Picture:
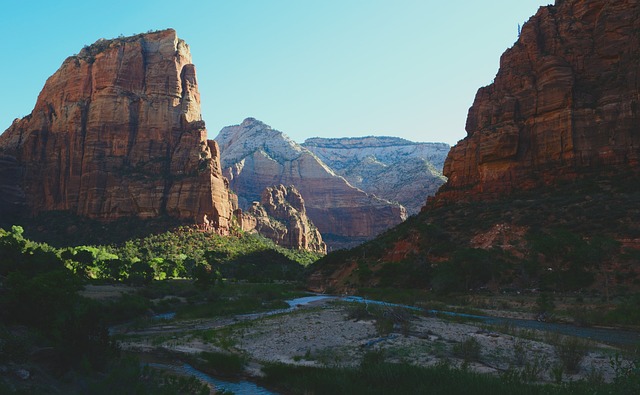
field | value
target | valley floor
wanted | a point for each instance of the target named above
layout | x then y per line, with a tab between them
330	333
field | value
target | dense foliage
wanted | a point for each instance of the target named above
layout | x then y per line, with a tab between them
44	320
375	376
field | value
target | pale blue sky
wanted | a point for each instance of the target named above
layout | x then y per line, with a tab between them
328	68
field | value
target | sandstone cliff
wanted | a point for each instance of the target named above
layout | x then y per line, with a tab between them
564	102
255	156
391	168
117	132
544	192
281	216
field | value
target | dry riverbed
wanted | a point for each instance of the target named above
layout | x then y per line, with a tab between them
329	333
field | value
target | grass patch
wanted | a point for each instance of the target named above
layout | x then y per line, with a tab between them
379	377
225	364
233	299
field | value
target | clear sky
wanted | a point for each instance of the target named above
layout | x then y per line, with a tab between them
329	68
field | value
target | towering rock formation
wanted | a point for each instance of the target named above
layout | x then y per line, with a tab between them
391	168
281	216
117	132
255	156
551	159
566	101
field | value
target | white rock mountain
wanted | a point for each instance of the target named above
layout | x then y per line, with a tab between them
254	156
391	168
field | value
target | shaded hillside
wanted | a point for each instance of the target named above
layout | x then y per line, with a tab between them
577	235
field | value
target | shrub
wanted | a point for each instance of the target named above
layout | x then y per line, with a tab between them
571	351
469	350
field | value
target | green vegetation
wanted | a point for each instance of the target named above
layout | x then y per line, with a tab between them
225	364
469	350
564	239
570	351
47	325
375	376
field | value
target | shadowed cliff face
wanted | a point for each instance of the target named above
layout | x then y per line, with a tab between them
117	132
564	102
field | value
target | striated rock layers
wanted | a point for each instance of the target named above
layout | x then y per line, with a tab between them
391	168
255	156
281	216
116	132
566	101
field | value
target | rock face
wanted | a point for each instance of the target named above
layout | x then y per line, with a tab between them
12	198
391	168
255	156
281	216
117	132
565	102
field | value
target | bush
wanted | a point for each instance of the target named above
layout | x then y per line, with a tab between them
469	350
224	363
571	351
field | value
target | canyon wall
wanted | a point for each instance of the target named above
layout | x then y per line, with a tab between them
117	132
565	103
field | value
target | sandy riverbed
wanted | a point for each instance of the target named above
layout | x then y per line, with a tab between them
323	335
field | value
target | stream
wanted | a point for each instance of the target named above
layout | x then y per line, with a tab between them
242	387
606	335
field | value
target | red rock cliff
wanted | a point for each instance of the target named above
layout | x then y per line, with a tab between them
564	102
282	217
117	131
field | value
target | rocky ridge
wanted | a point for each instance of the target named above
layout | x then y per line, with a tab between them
391	168
117	132
255	156
564	103
280	215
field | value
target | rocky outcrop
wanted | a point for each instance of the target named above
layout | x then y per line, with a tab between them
117	132
281	216
391	168
565	102
255	156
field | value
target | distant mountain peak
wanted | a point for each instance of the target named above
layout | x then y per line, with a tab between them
255	156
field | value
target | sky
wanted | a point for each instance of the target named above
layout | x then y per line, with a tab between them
309	68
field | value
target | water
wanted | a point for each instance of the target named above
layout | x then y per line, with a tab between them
164	316
606	335
242	387
612	336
